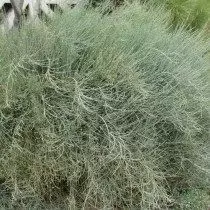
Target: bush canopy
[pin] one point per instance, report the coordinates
(102, 111)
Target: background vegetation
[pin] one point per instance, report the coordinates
(194, 14)
(104, 111)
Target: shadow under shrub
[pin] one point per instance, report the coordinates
(103, 111)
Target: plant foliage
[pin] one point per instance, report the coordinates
(102, 111)
(193, 13)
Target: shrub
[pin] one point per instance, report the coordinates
(194, 199)
(194, 14)
(102, 111)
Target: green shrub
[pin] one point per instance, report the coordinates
(102, 111)
(192, 13)
(193, 199)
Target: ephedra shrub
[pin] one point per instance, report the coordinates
(102, 111)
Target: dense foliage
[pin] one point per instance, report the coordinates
(103, 111)
(194, 14)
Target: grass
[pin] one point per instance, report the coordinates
(102, 112)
